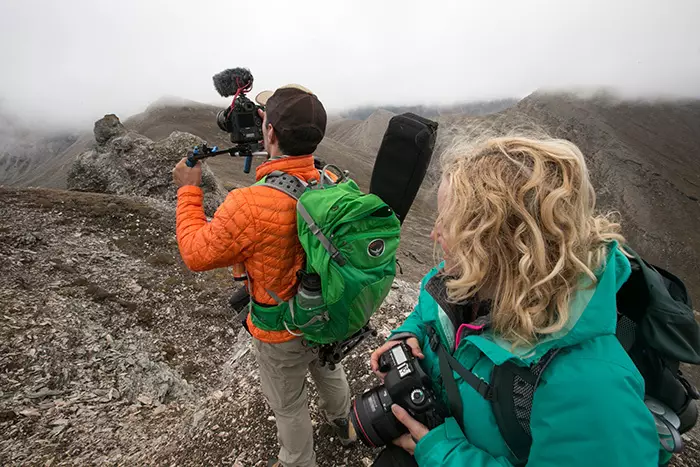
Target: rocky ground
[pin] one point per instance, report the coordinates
(113, 353)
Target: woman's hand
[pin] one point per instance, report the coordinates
(416, 430)
(374, 359)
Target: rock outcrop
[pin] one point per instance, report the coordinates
(107, 128)
(127, 163)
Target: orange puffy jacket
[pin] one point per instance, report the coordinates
(255, 226)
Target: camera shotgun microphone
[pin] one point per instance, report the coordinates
(233, 81)
(241, 119)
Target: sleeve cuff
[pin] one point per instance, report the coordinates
(448, 435)
(399, 336)
(190, 189)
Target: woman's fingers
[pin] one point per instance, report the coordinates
(415, 428)
(374, 359)
(406, 443)
(412, 342)
(415, 347)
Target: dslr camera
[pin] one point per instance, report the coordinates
(241, 118)
(405, 384)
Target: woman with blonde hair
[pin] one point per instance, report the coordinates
(529, 269)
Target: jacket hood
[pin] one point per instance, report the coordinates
(592, 313)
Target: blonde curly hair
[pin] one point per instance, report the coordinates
(518, 220)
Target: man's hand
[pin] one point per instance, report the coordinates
(416, 430)
(183, 175)
(374, 359)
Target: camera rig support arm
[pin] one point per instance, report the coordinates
(241, 150)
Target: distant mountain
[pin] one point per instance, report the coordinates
(30, 157)
(644, 160)
(27, 160)
(432, 111)
(363, 129)
(364, 135)
(23, 147)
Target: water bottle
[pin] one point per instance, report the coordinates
(309, 292)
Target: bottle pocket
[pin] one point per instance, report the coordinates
(307, 319)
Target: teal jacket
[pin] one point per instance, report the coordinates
(588, 410)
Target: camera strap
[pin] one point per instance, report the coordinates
(448, 364)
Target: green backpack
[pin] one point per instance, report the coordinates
(350, 239)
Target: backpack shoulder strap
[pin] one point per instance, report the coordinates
(295, 187)
(514, 388)
(448, 364)
(289, 184)
(511, 393)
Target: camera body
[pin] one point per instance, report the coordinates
(405, 384)
(241, 120)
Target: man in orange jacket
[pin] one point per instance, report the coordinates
(256, 226)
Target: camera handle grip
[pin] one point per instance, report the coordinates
(198, 155)
(192, 159)
(247, 163)
(236, 151)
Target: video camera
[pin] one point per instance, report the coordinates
(240, 119)
(405, 384)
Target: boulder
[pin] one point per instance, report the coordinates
(127, 163)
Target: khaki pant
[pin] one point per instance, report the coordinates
(283, 370)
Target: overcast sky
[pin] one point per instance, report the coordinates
(75, 60)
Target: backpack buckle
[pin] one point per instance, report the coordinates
(338, 258)
(433, 339)
(485, 390)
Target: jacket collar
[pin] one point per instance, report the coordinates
(299, 166)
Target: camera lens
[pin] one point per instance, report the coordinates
(373, 419)
(223, 121)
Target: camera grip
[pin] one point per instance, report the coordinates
(247, 164)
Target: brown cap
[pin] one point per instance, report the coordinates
(296, 114)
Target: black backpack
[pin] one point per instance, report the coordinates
(656, 326)
(402, 161)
